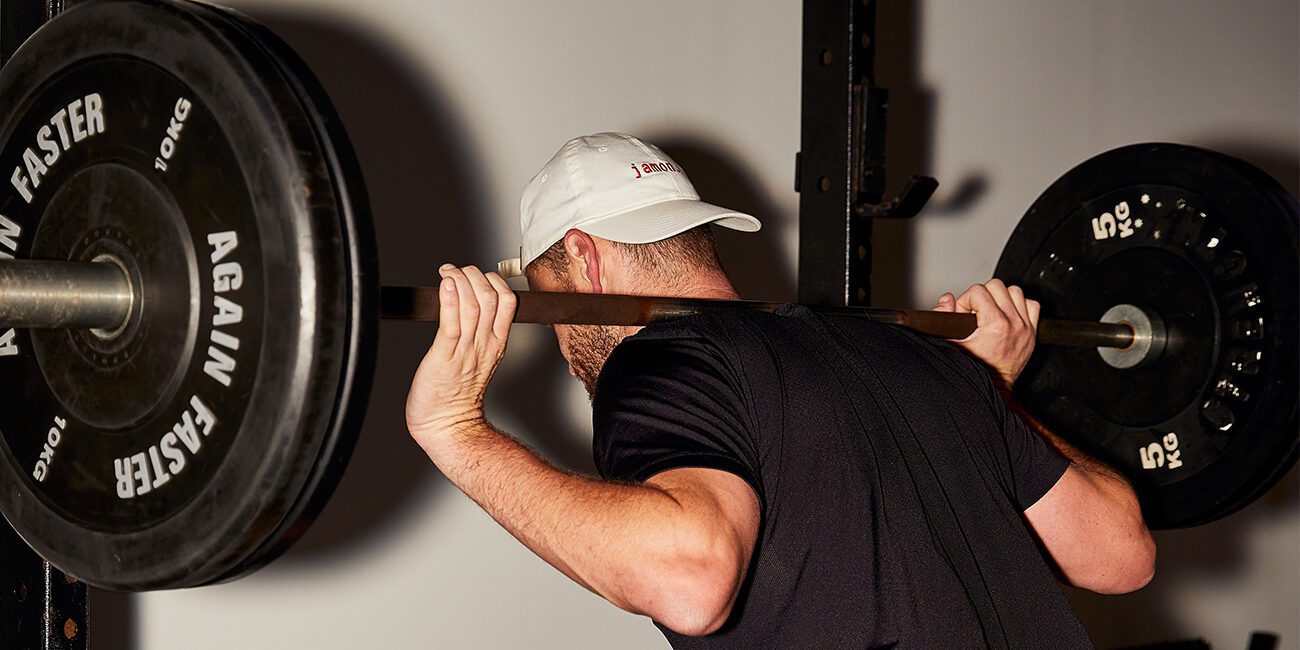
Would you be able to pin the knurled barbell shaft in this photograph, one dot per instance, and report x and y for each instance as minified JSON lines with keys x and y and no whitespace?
{"x":53,"y":294}
{"x":421,"y":304}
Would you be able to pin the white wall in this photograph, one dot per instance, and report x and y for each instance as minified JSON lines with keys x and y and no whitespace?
{"x":455,"y":103}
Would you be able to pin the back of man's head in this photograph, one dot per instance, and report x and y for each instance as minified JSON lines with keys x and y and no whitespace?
{"x":664,"y":263}
{"x":617,"y":188}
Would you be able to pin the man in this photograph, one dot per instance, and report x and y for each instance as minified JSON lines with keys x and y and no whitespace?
{"x":773,"y":480}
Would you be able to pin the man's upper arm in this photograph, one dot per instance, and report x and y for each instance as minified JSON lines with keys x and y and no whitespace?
{"x":670,"y":413}
{"x":722,"y":511}
{"x":715,"y":495}
{"x":1089,"y":523}
{"x":1060,"y":520}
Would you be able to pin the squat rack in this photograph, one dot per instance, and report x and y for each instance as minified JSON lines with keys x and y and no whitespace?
{"x":840,"y":175}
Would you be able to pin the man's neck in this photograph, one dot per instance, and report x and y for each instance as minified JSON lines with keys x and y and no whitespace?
{"x":711,"y":285}
{"x":717,"y":288}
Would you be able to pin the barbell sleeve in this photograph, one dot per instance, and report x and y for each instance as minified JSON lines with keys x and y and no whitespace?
{"x":1086,"y":334}
{"x":41,"y":294}
{"x":421,"y":304}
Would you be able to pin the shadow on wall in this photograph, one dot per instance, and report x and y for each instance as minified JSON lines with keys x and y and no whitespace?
{"x":1220,"y":553}
{"x":910,"y":151}
{"x":909,"y":147}
{"x":531,"y":392}
{"x":756,"y":262}
{"x":426,"y":204}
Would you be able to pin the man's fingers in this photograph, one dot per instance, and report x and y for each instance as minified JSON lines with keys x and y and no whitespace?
{"x":988,"y":315}
{"x":505,"y":306}
{"x":947,"y":302}
{"x":469,"y":307}
{"x":1018,"y":299}
{"x":448,"y":319}
{"x":978,"y":299}
{"x":486,"y":296}
{"x":1002,"y":297}
{"x":1005,"y":322}
{"x":453,"y":375}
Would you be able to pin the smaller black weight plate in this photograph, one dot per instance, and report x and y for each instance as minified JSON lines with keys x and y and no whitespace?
{"x":1207,"y":243}
{"x":197,"y":444}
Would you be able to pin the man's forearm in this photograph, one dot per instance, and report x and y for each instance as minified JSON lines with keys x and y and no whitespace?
{"x":536,"y":502}
{"x":624,"y":542}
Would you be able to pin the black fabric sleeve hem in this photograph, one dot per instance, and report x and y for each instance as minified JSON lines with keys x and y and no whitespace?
{"x":696,"y":459}
{"x":1042,"y":481}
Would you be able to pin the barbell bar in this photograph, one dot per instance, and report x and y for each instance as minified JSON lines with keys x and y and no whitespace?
{"x":421,"y":304}
{"x":45,"y":294}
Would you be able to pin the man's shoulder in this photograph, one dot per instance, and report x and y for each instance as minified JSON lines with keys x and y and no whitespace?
{"x":665,"y":344}
{"x":788,"y":327}
{"x":721,"y":335}
{"x":685,"y":349}
{"x":722,"y":326}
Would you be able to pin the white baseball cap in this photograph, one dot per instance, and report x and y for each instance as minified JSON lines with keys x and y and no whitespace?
{"x":613,"y":186}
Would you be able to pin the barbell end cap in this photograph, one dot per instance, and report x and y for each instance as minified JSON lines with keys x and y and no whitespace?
{"x":1149,"y":337}
{"x":511,"y":268}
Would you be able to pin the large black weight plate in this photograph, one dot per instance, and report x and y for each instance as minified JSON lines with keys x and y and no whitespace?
{"x":196,"y":150}
{"x":1208,"y":243}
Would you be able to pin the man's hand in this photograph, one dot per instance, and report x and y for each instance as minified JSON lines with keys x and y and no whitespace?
{"x":473,"y":325}
{"x":1006,"y":326}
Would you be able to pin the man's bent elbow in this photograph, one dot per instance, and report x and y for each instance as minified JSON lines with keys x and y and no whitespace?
{"x":697,"y":593}
{"x":1141,"y":565}
{"x":1132,"y":552}
{"x":1132,"y":567}
{"x":1140,"y":553}
{"x":699,"y":608}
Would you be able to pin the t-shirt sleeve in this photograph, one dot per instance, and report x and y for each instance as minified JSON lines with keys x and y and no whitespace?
{"x":667,"y":403}
{"x":1035,"y":465}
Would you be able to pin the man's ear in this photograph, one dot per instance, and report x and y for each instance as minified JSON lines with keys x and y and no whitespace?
{"x":584,"y":259}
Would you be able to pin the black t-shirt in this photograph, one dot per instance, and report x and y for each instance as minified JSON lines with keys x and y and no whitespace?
{"x":891,"y":478}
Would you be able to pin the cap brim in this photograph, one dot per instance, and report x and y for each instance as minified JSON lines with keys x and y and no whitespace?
{"x":663,"y":220}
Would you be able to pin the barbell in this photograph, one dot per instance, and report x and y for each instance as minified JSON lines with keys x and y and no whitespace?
{"x":189,"y":302}
{"x":99,"y":296}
